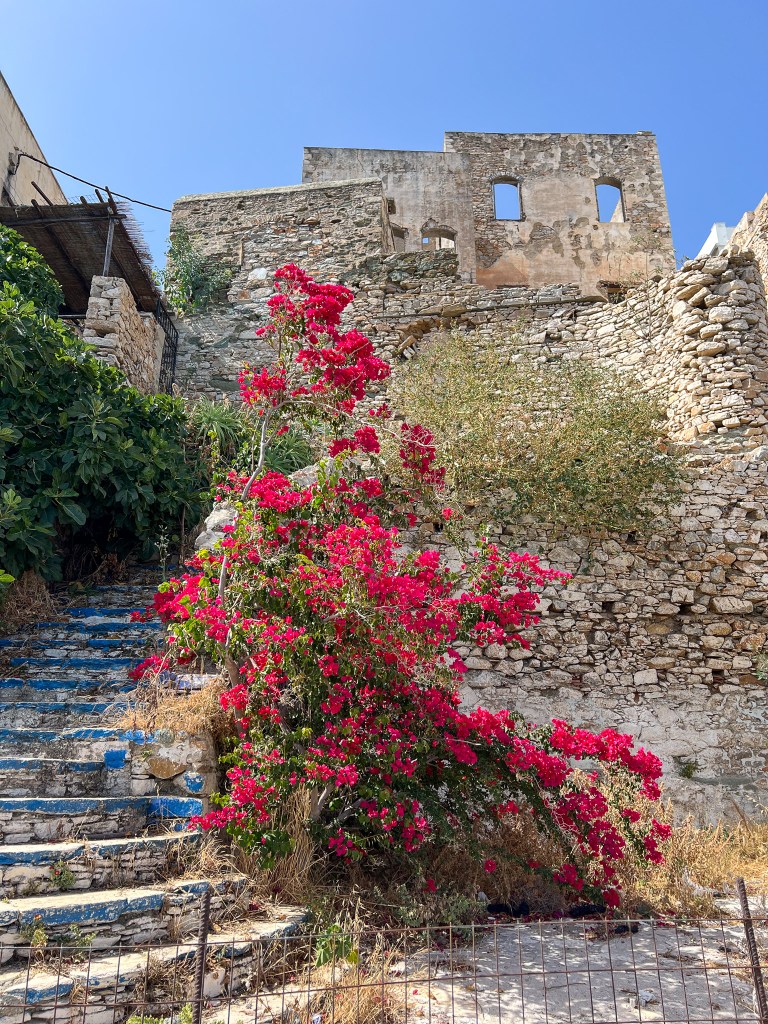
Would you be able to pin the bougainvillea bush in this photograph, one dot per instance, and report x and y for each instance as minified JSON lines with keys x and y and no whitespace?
{"x":341,"y":645}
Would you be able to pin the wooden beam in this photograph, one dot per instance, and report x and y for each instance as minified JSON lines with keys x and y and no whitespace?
{"x":86,"y":285}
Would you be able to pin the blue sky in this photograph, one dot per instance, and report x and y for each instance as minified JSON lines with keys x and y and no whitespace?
{"x":160,"y":99}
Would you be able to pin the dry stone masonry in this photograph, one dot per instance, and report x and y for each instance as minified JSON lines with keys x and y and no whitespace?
{"x":660,"y":633}
{"x":122,"y":336}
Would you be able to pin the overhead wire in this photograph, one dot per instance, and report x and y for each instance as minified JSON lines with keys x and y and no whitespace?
{"x":92,"y":184}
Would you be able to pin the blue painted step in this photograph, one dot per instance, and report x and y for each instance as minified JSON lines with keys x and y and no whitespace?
{"x":84,"y":664}
{"x":59,"y":777}
{"x":108,"y":906}
{"x":92,"y":624}
{"x":58,"y":716}
{"x":15,"y":684}
{"x":36,"y":819}
{"x":91,"y":611}
{"x":75,"y":643}
{"x":46,"y":854}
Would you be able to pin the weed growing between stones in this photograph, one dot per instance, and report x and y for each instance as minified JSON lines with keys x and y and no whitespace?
{"x":566,"y":442}
{"x":62,"y":877}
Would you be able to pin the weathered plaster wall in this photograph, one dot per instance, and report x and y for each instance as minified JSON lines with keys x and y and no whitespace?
{"x":123,"y":336}
{"x":424,"y":191}
{"x":326,"y":229}
{"x":559,"y":237}
{"x":16,"y":176}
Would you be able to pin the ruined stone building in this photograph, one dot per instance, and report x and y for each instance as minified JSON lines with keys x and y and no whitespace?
{"x":660,"y":633}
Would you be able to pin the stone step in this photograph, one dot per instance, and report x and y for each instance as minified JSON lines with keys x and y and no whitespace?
{"x":58,"y":688}
{"x":109,"y":666}
{"x":121,"y":611}
{"x":95,"y":625}
{"x":87,"y":741}
{"x":37,"y":819}
{"x":101,"y":918}
{"x":106,"y":988}
{"x":76,"y":646}
{"x":51,"y":776}
{"x":58,"y":715}
{"x":36,"y":868}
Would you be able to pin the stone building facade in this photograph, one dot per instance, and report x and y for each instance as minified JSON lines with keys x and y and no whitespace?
{"x":659,"y":633}
{"x":555,"y":230}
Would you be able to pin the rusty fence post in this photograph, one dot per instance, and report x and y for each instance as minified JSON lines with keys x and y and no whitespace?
{"x":202,"y":946}
{"x":754,"y":957}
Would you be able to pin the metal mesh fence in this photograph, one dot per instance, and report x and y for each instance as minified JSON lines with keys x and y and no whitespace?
{"x":555,"y":971}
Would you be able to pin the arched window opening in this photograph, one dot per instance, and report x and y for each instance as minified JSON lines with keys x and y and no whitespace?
{"x":506,"y":199}
{"x":433,"y":239}
{"x":398,"y":237}
{"x":610,"y":201}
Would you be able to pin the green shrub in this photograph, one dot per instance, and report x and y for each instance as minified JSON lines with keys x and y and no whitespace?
{"x":190,"y":280}
{"x":85,"y":459}
{"x":565,"y":442}
{"x":229,"y":433}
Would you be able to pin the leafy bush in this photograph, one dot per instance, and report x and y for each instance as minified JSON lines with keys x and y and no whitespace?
{"x":190,"y":280}
{"x":85,"y":460}
{"x":229,"y":435}
{"x":22,"y":265}
{"x":565,"y":442}
{"x":340,"y":649}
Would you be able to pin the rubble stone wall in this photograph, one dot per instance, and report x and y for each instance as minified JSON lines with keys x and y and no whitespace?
{"x":123,"y":336}
{"x":658,"y":633}
{"x":751,"y":235}
{"x":325,"y":229}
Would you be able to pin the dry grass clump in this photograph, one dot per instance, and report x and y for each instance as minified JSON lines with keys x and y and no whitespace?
{"x":340,"y":982}
{"x":27,"y":600}
{"x":698,"y":864}
{"x":161,"y":704}
{"x":298,"y":877}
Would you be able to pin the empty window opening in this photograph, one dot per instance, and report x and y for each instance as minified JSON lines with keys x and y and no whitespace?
{"x":438,"y":238}
{"x":610,"y":202}
{"x":398,"y":237}
{"x":613,"y":291}
{"x":506,"y":200}
{"x":391,"y":206}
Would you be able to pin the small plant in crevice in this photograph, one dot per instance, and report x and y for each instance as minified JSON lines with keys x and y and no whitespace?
{"x":34,"y":933}
{"x":687,"y":769}
{"x":190,"y":280}
{"x":62,"y":876}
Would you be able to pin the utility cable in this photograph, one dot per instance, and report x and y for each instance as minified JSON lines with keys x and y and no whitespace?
{"x":92,"y":185}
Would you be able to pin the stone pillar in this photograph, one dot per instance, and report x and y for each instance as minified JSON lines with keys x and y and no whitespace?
{"x":123,"y":336}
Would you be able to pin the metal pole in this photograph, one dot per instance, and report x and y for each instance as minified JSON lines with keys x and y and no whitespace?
{"x":108,"y":250}
{"x":754,"y":958}
{"x":202,"y":944}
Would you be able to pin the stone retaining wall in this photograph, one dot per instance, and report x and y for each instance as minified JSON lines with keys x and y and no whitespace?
{"x":123,"y":336}
{"x":657,"y":633}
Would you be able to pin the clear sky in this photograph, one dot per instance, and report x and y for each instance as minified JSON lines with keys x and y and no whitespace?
{"x":161,"y":98}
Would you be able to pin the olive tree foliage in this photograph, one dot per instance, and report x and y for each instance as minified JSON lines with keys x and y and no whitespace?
{"x":561,"y":441}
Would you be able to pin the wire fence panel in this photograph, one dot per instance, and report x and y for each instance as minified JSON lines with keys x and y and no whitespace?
{"x":554,"y":972}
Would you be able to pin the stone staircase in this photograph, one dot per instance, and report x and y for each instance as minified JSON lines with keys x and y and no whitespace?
{"x":96,"y":853}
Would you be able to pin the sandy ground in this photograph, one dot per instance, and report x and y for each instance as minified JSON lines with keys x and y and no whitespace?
{"x":549,"y":973}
